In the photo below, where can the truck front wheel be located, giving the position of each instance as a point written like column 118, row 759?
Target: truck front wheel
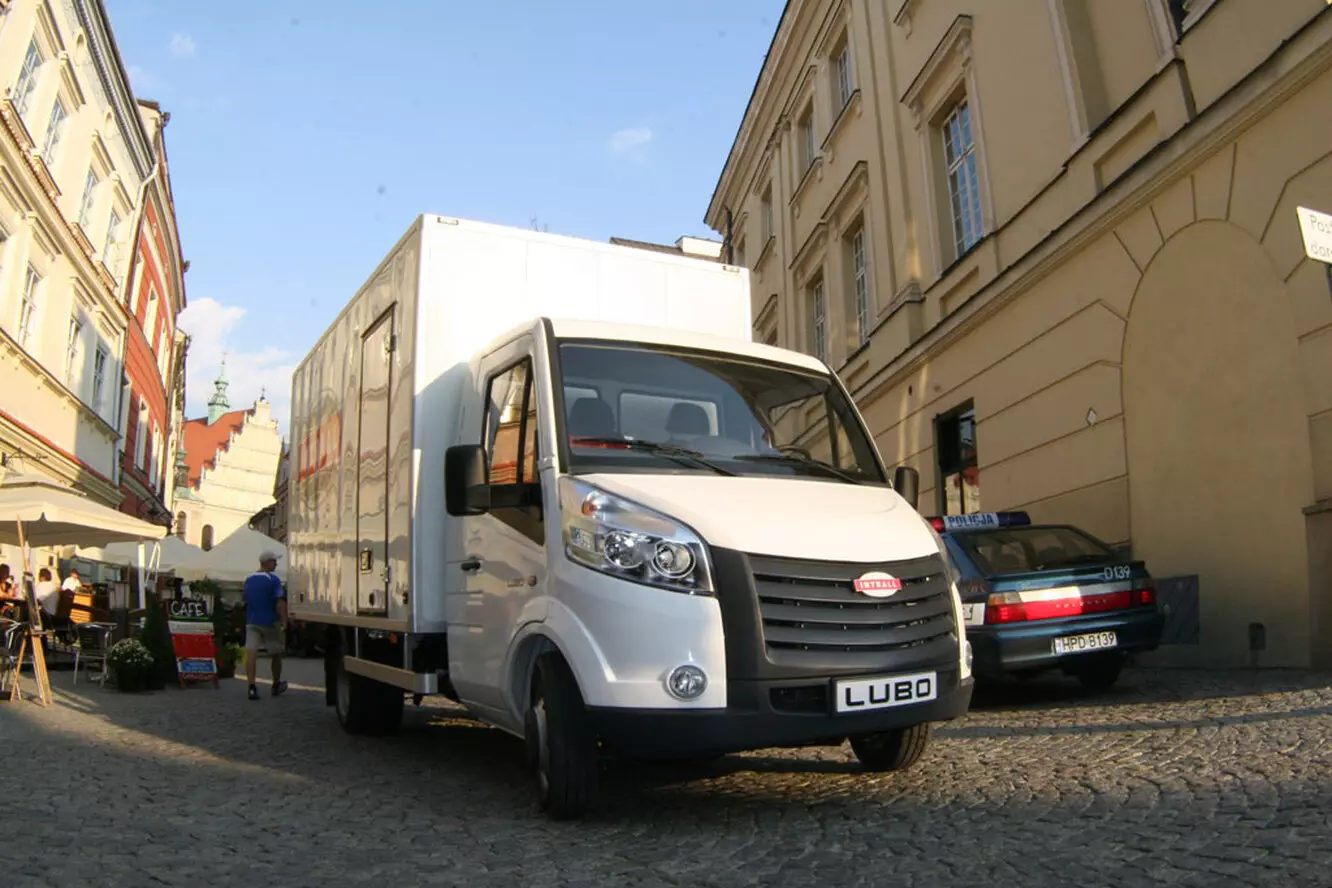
column 561, row 745
column 365, row 706
column 892, row 750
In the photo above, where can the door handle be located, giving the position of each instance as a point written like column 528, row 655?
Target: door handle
column 471, row 565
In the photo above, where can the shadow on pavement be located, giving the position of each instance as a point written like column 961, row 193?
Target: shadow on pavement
column 197, row 786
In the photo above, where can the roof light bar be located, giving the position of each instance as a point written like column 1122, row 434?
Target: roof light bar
column 980, row 521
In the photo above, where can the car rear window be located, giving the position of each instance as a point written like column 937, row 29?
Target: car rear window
column 1027, row 549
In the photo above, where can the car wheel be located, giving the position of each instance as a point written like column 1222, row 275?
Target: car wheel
column 1100, row 672
column 892, row 750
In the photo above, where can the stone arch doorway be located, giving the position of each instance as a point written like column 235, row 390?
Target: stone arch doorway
column 1217, row 441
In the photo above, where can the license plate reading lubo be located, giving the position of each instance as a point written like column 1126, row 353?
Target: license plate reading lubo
column 865, row 694
column 1077, row 644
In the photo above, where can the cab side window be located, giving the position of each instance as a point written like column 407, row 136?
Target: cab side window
column 510, row 440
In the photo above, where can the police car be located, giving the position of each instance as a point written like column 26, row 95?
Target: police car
column 1047, row 596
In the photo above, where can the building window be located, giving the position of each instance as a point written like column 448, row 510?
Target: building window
column 807, row 146
column 206, row 537
column 111, row 232
column 1179, row 12
column 150, row 317
column 768, row 229
column 100, row 359
column 89, row 198
column 152, row 456
column 860, row 284
column 73, row 345
column 818, row 326
column 27, row 81
column 963, row 182
column 181, row 525
column 140, row 436
column 845, row 85
column 955, row 443
column 54, row 127
column 28, row 306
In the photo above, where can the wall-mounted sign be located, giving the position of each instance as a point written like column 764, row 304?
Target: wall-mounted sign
column 1316, row 228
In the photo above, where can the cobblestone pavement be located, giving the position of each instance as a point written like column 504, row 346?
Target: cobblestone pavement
column 1173, row 778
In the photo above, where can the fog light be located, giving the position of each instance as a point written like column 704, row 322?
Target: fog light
column 686, row 682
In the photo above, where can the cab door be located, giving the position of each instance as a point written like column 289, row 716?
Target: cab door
column 504, row 557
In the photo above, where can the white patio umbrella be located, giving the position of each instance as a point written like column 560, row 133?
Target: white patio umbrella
column 36, row 511
column 170, row 552
column 235, row 558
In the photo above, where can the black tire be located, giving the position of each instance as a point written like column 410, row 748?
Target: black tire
column 1100, row 671
column 561, row 745
column 892, row 750
column 365, row 706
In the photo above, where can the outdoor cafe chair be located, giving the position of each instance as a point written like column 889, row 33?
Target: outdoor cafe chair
column 93, row 641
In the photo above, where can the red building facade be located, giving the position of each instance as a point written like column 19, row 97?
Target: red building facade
column 154, row 347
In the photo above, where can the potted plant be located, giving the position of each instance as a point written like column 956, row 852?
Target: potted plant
column 228, row 656
column 130, row 663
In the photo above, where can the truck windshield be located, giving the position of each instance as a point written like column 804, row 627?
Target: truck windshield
column 645, row 408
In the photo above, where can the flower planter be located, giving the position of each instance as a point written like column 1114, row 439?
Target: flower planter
column 130, row 664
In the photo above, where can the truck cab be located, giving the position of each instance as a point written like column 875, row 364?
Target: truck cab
column 665, row 544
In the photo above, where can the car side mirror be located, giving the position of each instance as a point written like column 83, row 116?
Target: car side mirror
column 465, row 489
column 906, row 481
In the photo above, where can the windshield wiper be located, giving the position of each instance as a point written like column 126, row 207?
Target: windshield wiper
column 656, row 448
column 803, row 460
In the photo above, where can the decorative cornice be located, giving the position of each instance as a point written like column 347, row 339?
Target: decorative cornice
column 115, row 82
column 956, row 42
column 904, row 13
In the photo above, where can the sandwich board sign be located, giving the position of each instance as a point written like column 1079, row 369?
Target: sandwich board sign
column 192, row 640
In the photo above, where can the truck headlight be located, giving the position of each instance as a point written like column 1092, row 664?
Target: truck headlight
column 624, row 539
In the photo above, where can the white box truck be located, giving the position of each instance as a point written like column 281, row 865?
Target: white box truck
column 555, row 480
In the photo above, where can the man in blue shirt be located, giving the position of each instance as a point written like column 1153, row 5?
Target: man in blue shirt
column 265, row 621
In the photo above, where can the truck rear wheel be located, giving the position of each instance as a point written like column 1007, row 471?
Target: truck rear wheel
column 892, row 750
column 561, row 746
column 365, row 706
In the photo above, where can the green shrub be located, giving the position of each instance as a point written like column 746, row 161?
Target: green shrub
column 156, row 637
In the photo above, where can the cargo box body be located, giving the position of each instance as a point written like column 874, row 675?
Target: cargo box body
column 376, row 401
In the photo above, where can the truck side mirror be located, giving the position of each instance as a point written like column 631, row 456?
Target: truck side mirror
column 465, row 489
column 906, row 481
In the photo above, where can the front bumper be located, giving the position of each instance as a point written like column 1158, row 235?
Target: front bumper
column 1019, row 647
column 763, row 715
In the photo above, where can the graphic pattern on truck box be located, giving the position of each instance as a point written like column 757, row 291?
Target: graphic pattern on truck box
column 372, row 469
column 333, row 519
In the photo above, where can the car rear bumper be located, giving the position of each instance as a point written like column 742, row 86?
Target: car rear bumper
column 1019, row 647
column 766, row 714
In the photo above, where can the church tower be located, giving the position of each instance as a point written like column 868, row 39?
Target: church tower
column 218, row 404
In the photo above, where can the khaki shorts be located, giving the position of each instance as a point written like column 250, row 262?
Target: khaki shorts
column 264, row 641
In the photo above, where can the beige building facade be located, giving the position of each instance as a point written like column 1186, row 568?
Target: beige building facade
column 1052, row 248
column 74, row 154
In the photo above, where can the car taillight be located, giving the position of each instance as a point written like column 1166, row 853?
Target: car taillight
column 1010, row 607
column 1143, row 596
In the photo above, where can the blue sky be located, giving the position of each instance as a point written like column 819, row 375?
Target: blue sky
column 305, row 137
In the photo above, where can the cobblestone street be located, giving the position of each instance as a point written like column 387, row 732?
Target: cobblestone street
column 1175, row 778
